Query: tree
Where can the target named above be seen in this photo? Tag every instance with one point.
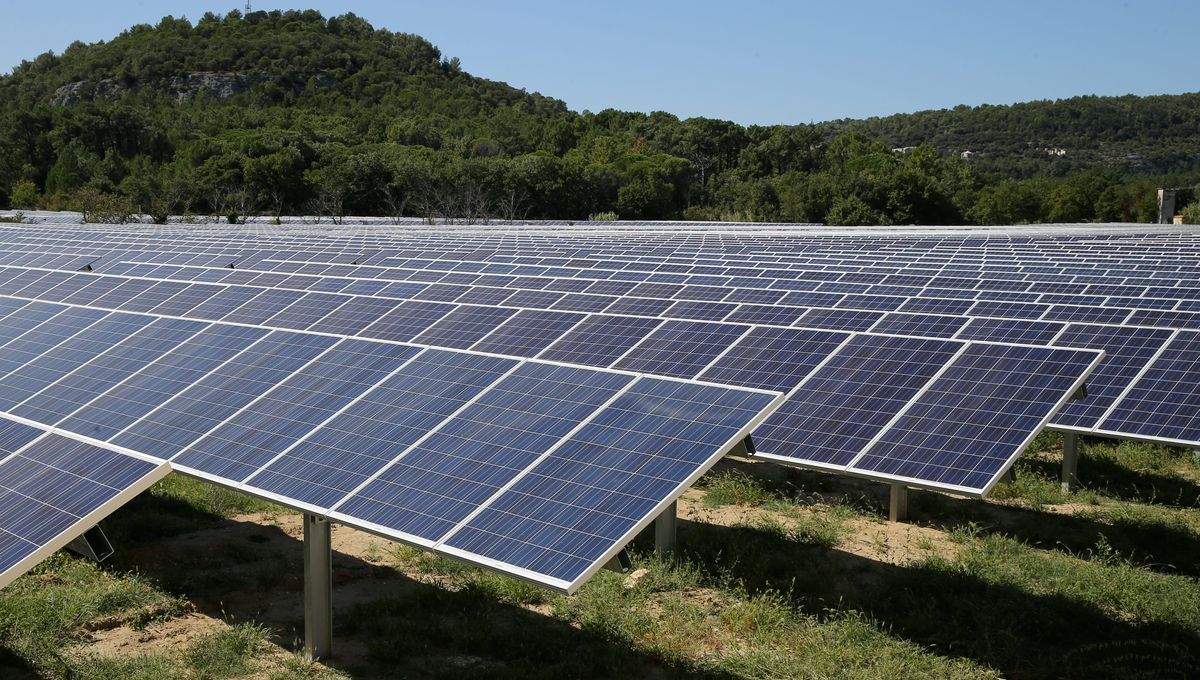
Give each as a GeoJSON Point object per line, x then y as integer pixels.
{"type": "Point", "coordinates": [25, 195]}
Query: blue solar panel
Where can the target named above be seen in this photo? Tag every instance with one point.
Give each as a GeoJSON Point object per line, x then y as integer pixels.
{"type": "Point", "coordinates": [774, 358]}
{"type": "Point", "coordinates": [157, 382]}
{"type": "Point", "coordinates": [190, 414]}
{"type": "Point", "coordinates": [839, 319]}
{"type": "Point", "coordinates": [1165, 401]}
{"type": "Point", "coordinates": [44, 336]}
{"type": "Point", "coordinates": [1086, 314]}
{"type": "Point", "coordinates": [470, 457]}
{"type": "Point", "coordinates": [587, 496]}
{"type": "Point", "coordinates": [14, 436]}
{"type": "Point", "coordinates": [1011, 330]}
{"type": "Point", "coordinates": [1126, 353]}
{"type": "Point", "coordinates": [921, 305]}
{"type": "Point", "coordinates": [407, 320]}
{"type": "Point", "coordinates": [1186, 320]}
{"type": "Point", "coordinates": [122, 360]}
{"type": "Point", "coordinates": [187, 299]}
{"type": "Point", "coordinates": [527, 333]}
{"type": "Point", "coordinates": [154, 296]}
{"type": "Point", "coordinates": [306, 311]}
{"type": "Point", "coordinates": [27, 376]}
{"type": "Point", "coordinates": [355, 315]}
{"type": "Point", "coordinates": [54, 488]}
{"type": "Point", "coordinates": [224, 302]}
{"type": "Point", "coordinates": [600, 340]}
{"type": "Point", "coordinates": [927, 325]}
{"type": "Point", "coordinates": [263, 306]}
{"type": "Point", "coordinates": [767, 314]}
{"type": "Point", "coordinates": [580, 302]}
{"type": "Point", "coordinates": [640, 306]}
{"type": "Point", "coordinates": [681, 348]}
{"type": "Point", "coordinates": [379, 426]}
{"type": "Point", "coordinates": [464, 326]}
{"type": "Point", "coordinates": [847, 401]}
{"type": "Point", "coordinates": [973, 420]}
{"type": "Point", "coordinates": [295, 407]}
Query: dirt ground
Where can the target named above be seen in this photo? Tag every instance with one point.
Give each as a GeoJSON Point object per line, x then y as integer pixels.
{"type": "Point", "coordinates": [251, 569]}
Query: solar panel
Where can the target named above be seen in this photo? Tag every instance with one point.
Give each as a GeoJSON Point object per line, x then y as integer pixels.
{"type": "Point", "coordinates": [527, 333]}
{"type": "Point", "coordinates": [382, 423]}
{"type": "Point", "coordinates": [967, 426]}
{"type": "Point", "coordinates": [1164, 402]}
{"type": "Point", "coordinates": [192, 413]}
{"type": "Point", "coordinates": [847, 401]}
{"type": "Point", "coordinates": [774, 358]}
{"type": "Point", "coordinates": [600, 340]}
{"type": "Point", "coordinates": [110, 409]}
{"type": "Point", "coordinates": [291, 409]}
{"type": "Point", "coordinates": [52, 489]}
{"type": "Point", "coordinates": [580, 502]}
{"type": "Point", "coordinates": [1127, 351]}
{"type": "Point", "coordinates": [681, 349]}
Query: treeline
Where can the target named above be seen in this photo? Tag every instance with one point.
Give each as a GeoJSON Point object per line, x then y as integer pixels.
{"type": "Point", "coordinates": [277, 113]}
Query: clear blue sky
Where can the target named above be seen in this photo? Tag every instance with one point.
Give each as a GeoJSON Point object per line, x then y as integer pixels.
{"type": "Point", "coordinates": [746, 60]}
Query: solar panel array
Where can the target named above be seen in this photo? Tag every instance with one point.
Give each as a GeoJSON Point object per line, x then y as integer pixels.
{"type": "Point", "coordinates": [528, 399]}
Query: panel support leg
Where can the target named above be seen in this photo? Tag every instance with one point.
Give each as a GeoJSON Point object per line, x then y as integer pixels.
{"type": "Point", "coordinates": [318, 589]}
{"type": "Point", "coordinates": [898, 505]}
{"type": "Point", "coordinates": [1070, 462]}
{"type": "Point", "coordinates": [664, 531]}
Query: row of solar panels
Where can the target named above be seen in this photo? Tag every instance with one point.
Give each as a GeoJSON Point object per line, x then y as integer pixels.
{"type": "Point", "coordinates": [537, 469]}
{"type": "Point", "coordinates": [507, 327]}
{"type": "Point", "coordinates": [540, 470]}
{"type": "Point", "coordinates": [845, 389]}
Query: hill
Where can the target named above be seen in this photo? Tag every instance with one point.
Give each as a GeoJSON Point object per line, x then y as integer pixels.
{"type": "Point", "coordinates": [275, 112]}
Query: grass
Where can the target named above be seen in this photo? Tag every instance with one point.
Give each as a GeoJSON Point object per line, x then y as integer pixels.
{"type": "Point", "coordinates": [798, 577]}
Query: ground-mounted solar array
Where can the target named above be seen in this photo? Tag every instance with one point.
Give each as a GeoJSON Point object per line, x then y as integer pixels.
{"type": "Point", "coordinates": [527, 398]}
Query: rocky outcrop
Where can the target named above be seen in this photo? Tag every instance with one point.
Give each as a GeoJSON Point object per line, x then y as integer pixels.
{"type": "Point", "coordinates": [73, 93]}
{"type": "Point", "coordinates": [220, 86]}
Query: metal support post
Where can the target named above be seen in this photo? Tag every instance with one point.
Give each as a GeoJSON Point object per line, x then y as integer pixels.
{"type": "Point", "coordinates": [898, 507]}
{"type": "Point", "coordinates": [318, 589]}
{"type": "Point", "coordinates": [1070, 461]}
{"type": "Point", "coordinates": [664, 531]}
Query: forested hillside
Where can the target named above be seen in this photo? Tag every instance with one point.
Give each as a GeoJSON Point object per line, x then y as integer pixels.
{"type": "Point", "coordinates": [291, 112]}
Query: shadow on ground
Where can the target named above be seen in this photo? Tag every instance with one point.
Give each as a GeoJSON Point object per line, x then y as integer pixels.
{"type": "Point", "coordinates": [1024, 635]}
{"type": "Point", "coordinates": [386, 625]}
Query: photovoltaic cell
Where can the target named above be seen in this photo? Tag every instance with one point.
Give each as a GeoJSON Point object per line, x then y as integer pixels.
{"type": "Point", "coordinates": [839, 319]}
{"type": "Point", "coordinates": [147, 389]}
{"type": "Point", "coordinates": [848, 400]}
{"type": "Point", "coordinates": [353, 316]}
{"type": "Point", "coordinates": [432, 487]}
{"type": "Point", "coordinates": [379, 426]}
{"type": "Point", "coordinates": [582, 500]}
{"type": "Point", "coordinates": [407, 320]}
{"type": "Point", "coordinates": [27, 377]}
{"type": "Point", "coordinates": [527, 333]}
{"type": "Point", "coordinates": [681, 349]}
{"type": "Point", "coordinates": [464, 326]}
{"type": "Point", "coordinates": [927, 325]}
{"type": "Point", "coordinates": [1126, 353]}
{"type": "Point", "coordinates": [1165, 401]}
{"type": "Point", "coordinates": [974, 419]}
{"type": "Point", "coordinates": [289, 411]}
{"type": "Point", "coordinates": [600, 340]}
{"type": "Point", "coordinates": [55, 488]}
{"type": "Point", "coordinates": [98, 375]}
{"type": "Point", "coordinates": [1011, 330]}
{"type": "Point", "coordinates": [774, 358]}
{"type": "Point", "coordinates": [183, 419]}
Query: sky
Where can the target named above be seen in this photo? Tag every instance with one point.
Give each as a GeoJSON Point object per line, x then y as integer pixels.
{"type": "Point", "coordinates": [749, 61]}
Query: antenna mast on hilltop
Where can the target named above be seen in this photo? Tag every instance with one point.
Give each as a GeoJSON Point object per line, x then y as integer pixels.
{"type": "Point", "coordinates": [247, 6]}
